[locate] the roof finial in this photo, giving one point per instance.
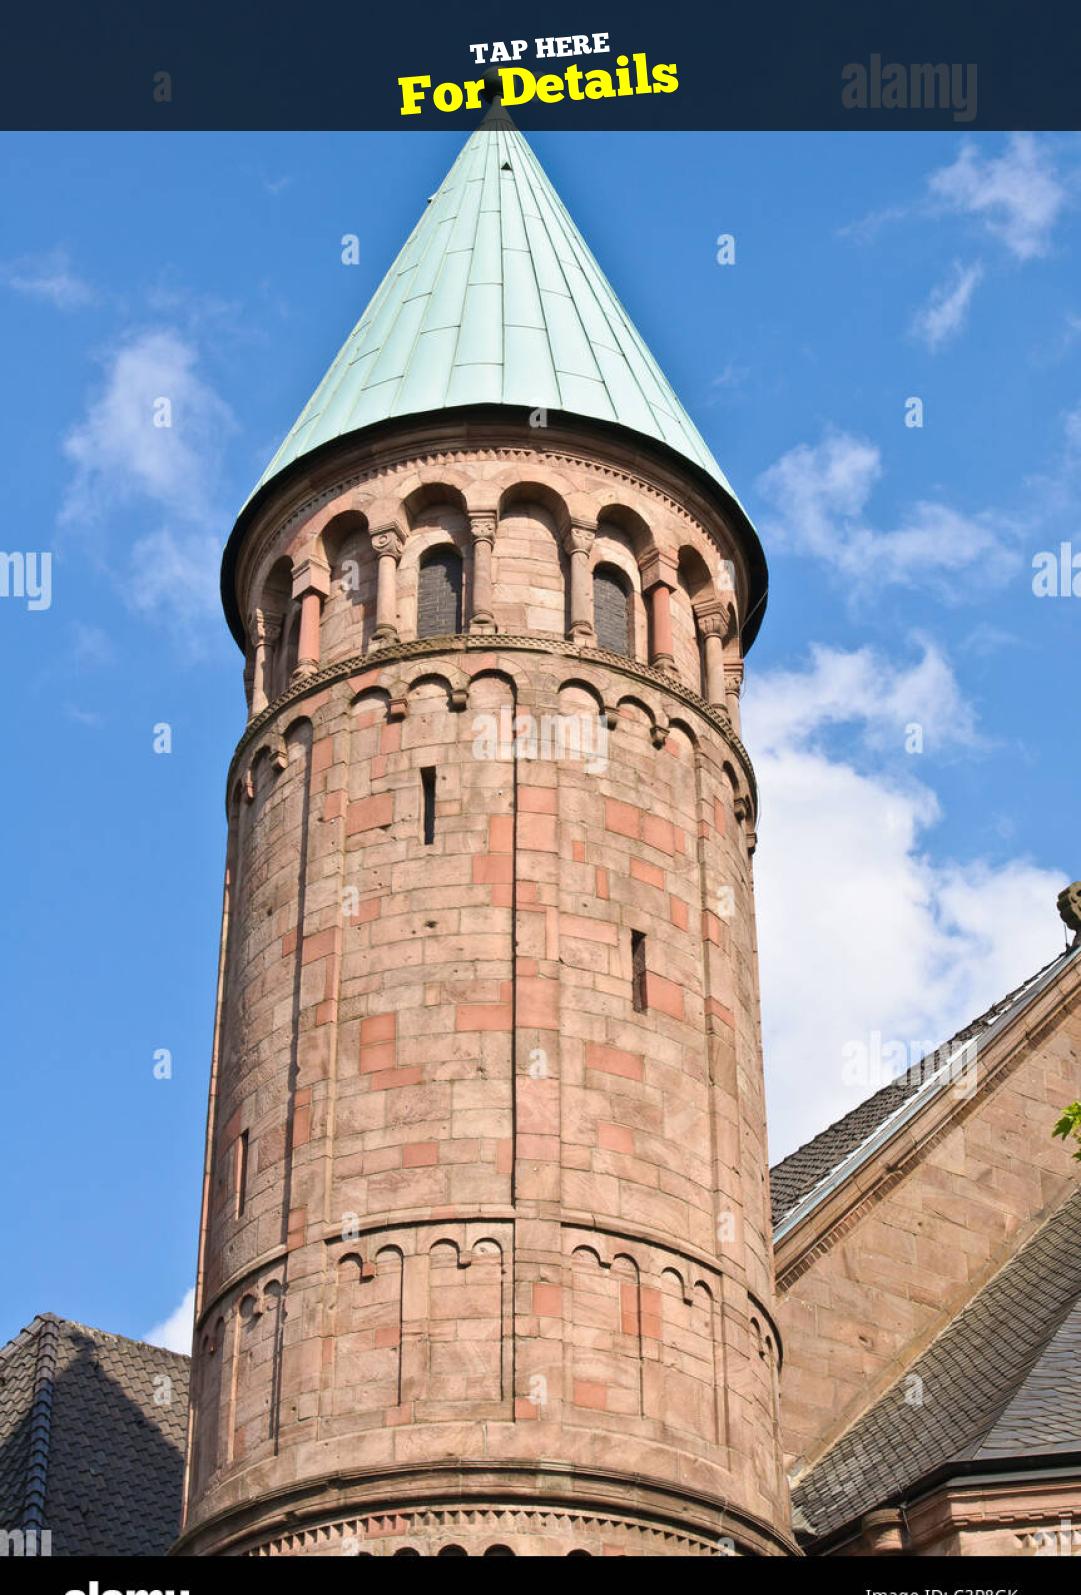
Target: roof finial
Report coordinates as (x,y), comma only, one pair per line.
(495,116)
(1069,907)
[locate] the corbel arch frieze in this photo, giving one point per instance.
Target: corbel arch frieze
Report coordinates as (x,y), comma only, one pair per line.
(478,657)
(405,678)
(426,485)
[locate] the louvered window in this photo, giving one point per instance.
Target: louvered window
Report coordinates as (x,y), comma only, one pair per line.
(439,596)
(611,611)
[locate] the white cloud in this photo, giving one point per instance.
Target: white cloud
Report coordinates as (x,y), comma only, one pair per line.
(821,493)
(92,646)
(861,688)
(174,1332)
(727,381)
(861,931)
(154,432)
(85,717)
(175,573)
(866,228)
(48,277)
(946,311)
(153,436)
(1017,195)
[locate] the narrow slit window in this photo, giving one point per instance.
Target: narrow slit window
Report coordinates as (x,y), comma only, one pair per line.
(638,970)
(427,787)
(241,1172)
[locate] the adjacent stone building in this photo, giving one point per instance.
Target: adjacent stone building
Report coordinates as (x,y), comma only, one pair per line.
(928,1256)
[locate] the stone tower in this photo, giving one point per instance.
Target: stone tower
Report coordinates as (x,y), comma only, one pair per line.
(485,1261)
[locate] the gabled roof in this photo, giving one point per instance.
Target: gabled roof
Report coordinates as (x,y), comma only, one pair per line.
(796,1178)
(90,1449)
(1002,1382)
(495,298)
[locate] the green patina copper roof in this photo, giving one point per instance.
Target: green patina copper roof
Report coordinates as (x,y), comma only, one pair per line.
(495,299)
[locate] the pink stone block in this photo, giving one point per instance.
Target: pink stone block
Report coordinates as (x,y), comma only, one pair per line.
(613,1060)
(369,813)
(622,818)
(658,833)
(649,874)
(483,1016)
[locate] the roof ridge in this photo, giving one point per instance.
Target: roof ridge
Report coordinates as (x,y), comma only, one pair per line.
(129,1340)
(27,1333)
(42,1320)
(40,1422)
(896,1093)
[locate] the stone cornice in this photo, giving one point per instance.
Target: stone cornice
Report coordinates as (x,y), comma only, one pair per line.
(638,1498)
(429,647)
(1028,1496)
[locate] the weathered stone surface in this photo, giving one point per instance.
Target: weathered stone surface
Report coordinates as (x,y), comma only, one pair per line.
(503,1202)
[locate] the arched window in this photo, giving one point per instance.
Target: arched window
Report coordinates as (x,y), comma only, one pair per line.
(288,648)
(612,611)
(439,593)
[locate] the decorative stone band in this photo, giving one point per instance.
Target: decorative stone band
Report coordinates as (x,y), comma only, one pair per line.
(474,1506)
(341,669)
(234,1284)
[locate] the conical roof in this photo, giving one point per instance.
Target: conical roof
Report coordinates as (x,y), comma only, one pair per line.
(495,299)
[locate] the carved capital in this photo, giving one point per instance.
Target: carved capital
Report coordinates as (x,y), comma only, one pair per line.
(264,628)
(578,538)
(717,618)
(482,525)
(389,540)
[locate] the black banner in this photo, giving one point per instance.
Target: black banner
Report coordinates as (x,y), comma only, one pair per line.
(823,64)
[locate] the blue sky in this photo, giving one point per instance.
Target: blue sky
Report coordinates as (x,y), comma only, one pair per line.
(900,891)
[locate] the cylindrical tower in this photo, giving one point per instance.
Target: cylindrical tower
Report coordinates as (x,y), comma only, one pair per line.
(485,1262)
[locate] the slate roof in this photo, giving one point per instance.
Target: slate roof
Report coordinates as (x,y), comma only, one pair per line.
(85,1450)
(495,298)
(1002,1381)
(797,1175)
